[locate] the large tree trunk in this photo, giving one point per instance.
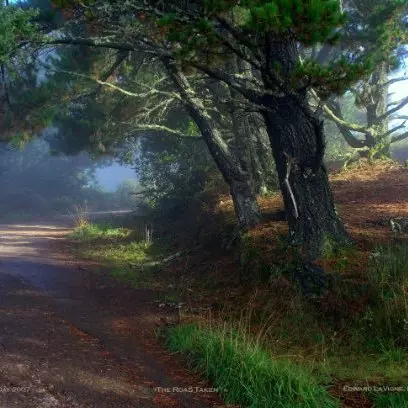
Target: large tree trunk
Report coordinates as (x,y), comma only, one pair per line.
(230,166)
(297,140)
(263,159)
(251,144)
(245,204)
(312,218)
(251,135)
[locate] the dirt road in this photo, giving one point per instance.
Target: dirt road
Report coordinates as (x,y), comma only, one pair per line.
(72,338)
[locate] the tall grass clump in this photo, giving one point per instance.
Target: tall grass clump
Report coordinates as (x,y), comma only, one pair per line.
(388,277)
(244,372)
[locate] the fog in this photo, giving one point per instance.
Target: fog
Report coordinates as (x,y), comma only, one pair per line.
(37,183)
(111,176)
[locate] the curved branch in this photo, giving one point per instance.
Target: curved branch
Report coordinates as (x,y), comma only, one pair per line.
(394,80)
(399,106)
(165,129)
(398,138)
(88,42)
(391,131)
(151,92)
(336,119)
(253,94)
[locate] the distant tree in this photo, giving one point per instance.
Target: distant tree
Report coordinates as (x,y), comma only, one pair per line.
(126,194)
(379,28)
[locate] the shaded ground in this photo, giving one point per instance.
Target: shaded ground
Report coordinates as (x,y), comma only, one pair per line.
(71,338)
(367,198)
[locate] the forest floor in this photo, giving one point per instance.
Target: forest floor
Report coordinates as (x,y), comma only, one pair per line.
(73,336)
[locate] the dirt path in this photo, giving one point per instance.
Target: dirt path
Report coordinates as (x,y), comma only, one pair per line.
(71,338)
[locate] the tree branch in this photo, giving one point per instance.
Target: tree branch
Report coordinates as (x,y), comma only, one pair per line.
(400,137)
(151,92)
(394,80)
(165,129)
(399,106)
(336,119)
(120,57)
(88,42)
(252,93)
(391,131)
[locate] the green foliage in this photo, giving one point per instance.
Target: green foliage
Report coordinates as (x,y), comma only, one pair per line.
(173,170)
(244,372)
(386,28)
(137,277)
(331,79)
(15,26)
(312,22)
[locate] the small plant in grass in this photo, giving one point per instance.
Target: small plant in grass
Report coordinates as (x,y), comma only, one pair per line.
(244,372)
(80,216)
(136,277)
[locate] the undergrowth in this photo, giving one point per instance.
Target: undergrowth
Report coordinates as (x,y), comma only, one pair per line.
(290,344)
(115,248)
(244,372)
(356,332)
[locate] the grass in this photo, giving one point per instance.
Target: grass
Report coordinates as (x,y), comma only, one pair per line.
(136,277)
(244,372)
(388,276)
(398,399)
(115,248)
(119,253)
(88,231)
(358,332)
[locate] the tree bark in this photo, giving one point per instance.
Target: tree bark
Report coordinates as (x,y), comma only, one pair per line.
(237,177)
(312,218)
(297,138)
(376,108)
(250,140)
(267,181)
